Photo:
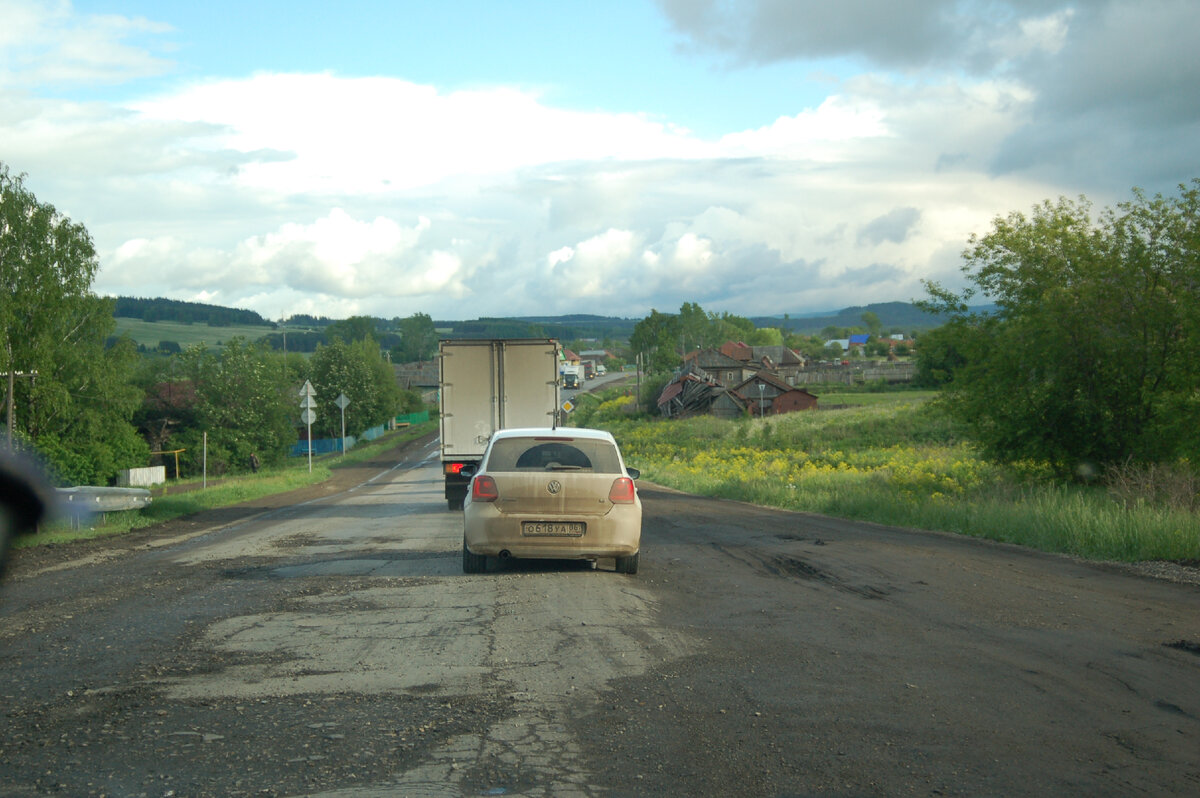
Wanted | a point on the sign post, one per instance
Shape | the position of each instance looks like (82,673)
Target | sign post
(308,414)
(341,402)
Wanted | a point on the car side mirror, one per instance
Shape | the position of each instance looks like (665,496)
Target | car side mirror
(633,472)
(469,470)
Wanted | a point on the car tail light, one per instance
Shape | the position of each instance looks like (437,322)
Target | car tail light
(622,491)
(453,468)
(483,489)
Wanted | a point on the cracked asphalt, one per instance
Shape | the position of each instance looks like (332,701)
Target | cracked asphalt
(326,643)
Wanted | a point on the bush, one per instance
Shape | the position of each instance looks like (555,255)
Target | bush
(1174,486)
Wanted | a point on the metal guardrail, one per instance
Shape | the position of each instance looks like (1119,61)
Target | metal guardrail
(80,501)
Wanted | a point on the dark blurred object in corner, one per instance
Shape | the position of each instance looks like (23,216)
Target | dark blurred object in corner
(26,498)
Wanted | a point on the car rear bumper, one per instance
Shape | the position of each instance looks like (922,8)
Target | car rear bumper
(617,534)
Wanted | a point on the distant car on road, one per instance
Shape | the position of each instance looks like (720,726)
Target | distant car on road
(562,493)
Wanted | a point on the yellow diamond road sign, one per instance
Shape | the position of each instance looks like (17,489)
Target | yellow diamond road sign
(568,406)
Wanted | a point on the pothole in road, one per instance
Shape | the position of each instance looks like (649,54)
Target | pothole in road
(792,566)
(1190,646)
(387,565)
(394,564)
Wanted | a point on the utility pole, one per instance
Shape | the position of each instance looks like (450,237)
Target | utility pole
(12,375)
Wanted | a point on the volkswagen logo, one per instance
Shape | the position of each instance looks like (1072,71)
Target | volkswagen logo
(554,486)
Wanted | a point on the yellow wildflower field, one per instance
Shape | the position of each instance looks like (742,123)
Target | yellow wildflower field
(901,463)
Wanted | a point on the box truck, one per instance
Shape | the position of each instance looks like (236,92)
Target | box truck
(572,375)
(487,385)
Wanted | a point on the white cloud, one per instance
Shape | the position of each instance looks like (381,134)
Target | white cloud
(769,217)
(48,43)
(335,195)
(331,134)
(361,263)
(826,133)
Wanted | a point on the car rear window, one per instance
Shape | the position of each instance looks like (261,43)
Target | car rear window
(553,454)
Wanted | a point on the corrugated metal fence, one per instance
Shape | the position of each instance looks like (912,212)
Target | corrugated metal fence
(331,445)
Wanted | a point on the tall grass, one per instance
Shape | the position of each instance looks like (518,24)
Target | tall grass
(901,463)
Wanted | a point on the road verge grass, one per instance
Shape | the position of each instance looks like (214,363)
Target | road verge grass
(901,463)
(189,496)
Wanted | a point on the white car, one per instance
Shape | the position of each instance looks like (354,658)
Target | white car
(560,493)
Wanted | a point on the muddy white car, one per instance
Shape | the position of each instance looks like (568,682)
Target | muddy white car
(560,493)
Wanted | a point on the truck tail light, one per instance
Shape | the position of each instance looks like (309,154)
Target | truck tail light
(622,491)
(483,489)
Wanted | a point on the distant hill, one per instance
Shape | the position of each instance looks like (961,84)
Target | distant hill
(566,328)
(904,315)
(160,309)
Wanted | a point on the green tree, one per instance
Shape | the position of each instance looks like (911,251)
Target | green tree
(418,338)
(244,401)
(764,336)
(367,380)
(878,349)
(871,319)
(695,328)
(728,327)
(655,338)
(1090,357)
(355,328)
(939,356)
(75,401)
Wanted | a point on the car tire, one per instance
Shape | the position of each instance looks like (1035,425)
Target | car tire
(455,502)
(628,565)
(473,563)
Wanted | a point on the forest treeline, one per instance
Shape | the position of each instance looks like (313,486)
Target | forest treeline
(161,309)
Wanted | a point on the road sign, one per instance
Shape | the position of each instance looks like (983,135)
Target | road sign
(341,402)
(308,414)
(568,406)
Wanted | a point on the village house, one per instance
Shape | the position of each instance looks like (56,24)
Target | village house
(766,393)
(722,368)
(689,394)
(698,392)
(779,359)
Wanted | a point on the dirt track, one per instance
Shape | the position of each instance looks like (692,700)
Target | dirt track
(334,648)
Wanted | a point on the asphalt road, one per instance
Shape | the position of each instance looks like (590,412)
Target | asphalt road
(330,646)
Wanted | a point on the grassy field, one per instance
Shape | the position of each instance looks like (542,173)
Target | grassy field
(149,333)
(897,460)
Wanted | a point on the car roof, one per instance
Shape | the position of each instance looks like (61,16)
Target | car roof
(554,432)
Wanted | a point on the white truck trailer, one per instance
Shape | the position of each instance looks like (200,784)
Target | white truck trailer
(487,385)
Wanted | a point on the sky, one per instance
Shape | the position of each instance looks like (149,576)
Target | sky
(472,159)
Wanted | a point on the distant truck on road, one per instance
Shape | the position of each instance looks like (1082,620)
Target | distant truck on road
(572,375)
(488,385)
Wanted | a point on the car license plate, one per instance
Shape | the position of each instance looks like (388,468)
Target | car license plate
(563,529)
